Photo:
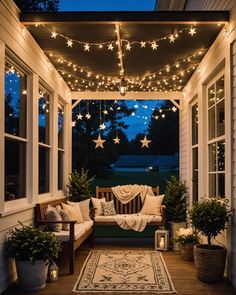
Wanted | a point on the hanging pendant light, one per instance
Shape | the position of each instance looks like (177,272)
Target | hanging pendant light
(123,86)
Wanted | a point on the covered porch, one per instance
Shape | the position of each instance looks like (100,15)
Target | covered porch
(62,69)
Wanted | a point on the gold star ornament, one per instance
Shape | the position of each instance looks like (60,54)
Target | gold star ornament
(145,142)
(116,140)
(99,142)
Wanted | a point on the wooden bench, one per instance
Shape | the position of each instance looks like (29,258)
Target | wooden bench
(71,244)
(132,207)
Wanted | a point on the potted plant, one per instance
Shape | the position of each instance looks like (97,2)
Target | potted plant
(176,206)
(187,239)
(33,250)
(209,217)
(79,185)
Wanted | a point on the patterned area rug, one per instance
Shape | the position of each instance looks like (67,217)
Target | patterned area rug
(124,271)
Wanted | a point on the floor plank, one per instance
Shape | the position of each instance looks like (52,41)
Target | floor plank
(183,273)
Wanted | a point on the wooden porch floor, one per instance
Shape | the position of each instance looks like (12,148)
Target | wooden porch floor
(182,273)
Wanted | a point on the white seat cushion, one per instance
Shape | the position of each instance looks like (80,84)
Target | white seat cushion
(110,218)
(80,229)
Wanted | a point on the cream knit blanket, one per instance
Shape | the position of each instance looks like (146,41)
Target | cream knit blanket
(136,222)
(126,193)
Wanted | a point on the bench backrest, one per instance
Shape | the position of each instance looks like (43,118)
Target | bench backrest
(132,207)
(42,207)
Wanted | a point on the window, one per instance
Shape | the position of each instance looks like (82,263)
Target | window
(216,138)
(44,140)
(61,150)
(194,116)
(15,131)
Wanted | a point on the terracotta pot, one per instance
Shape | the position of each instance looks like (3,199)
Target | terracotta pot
(186,251)
(210,262)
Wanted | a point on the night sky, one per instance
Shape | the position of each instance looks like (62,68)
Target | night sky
(107,5)
(139,122)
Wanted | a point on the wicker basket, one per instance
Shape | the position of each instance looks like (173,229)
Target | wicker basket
(186,251)
(210,263)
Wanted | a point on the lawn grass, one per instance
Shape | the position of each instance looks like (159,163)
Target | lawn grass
(146,178)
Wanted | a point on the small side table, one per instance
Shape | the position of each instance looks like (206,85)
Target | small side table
(161,240)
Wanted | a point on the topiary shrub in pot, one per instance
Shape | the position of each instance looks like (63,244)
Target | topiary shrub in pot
(33,250)
(176,207)
(79,185)
(209,217)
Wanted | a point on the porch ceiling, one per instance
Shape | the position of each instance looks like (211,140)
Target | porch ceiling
(158,51)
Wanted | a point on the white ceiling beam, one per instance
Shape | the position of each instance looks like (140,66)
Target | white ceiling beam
(77,95)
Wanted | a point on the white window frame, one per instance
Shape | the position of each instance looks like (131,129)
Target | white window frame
(62,102)
(219,138)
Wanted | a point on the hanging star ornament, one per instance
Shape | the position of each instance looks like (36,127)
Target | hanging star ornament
(145,142)
(88,116)
(99,142)
(79,117)
(116,140)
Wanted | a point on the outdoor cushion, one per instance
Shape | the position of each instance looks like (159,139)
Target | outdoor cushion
(65,217)
(152,205)
(84,208)
(111,218)
(80,229)
(97,205)
(74,212)
(52,214)
(108,208)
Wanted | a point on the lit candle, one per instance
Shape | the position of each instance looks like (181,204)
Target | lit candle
(162,243)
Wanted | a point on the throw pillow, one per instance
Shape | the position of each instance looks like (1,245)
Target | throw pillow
(52,214)
(152,205)
(97,205)
(108,208)
(65,217)
(74,212)
(84,208)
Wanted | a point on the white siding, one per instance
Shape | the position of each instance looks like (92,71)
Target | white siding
(28,51)
(233,257)
(209,4)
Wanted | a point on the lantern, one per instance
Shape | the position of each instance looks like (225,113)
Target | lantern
(161,240)
(53,272)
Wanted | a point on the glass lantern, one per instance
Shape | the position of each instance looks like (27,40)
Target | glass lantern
(53,272)
(161,240)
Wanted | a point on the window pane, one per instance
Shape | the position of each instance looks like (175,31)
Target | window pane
(60,125)
(212,185)
(60,170)
(211,96)
(44,168)
(195,175)
(211,123)
(220,118)
(44,117)
(220,89)
(15,101)
(221,155)
(195,124)
(221,185)
(15,170)
(212,157)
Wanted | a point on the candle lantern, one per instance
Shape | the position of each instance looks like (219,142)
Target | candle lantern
(161,240)
(53,272)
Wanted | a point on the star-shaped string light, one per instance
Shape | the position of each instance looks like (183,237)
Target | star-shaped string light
(145,142)
(172,38)
(54,35)
(105,112)
(110,47)
(143,44)
(99,142)
(102,126)
(192,31)
(116,140)
(73,123)
(69,43)
(79,116)
(88,116)
(87,47)
(128,46)
(154,45)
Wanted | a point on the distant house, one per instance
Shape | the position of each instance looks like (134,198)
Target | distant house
(137,163)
